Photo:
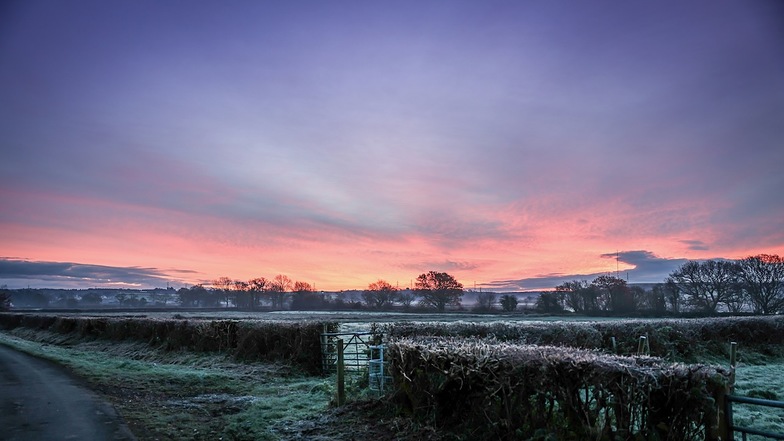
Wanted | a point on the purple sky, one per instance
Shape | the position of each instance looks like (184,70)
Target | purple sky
(512,144)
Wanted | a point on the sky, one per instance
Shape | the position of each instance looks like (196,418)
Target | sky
(515,145)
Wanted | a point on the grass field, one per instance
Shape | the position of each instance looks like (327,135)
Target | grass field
(760,381)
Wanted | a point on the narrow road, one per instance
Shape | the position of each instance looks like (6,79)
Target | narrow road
(40,400)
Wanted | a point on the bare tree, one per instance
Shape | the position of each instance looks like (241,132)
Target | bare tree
(302,287)
(305,297)
(438,290)
(406,298)
(762,279)
(223,286)
(242,297)
(380,294)
(578,295)
(706,285)
(278,290)
(256,288)
(614,294)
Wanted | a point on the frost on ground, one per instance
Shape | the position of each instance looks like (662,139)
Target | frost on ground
(760,381)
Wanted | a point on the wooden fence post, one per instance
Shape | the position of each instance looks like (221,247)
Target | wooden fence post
(341,373)
(642,346)
(733,362)
(324,341)
(725,406)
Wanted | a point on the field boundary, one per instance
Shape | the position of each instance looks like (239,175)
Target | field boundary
(296,343)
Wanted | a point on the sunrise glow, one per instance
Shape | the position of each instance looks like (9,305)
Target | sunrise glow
(512,145)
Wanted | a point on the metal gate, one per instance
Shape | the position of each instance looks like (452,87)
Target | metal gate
(745,431)
(356,350)
(378,372)
(363,356)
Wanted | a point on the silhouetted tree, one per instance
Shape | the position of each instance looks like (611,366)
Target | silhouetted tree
(550,302)
(187,298)
(673,296)
(278,291)
(241,291)
(304,297)
(639,298)
(256,289)
(207,298)
(762,280)
(438,290)
(706,285)
(614,294)
(508,302)
(407,298)
(578,295)
(380,294)
(656,300)
(223,286)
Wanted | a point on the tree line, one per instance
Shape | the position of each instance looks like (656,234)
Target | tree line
(436,290)
(754,284)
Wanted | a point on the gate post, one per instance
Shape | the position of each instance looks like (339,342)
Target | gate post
(733,362)
(341,374)
(725,415)
(725,405)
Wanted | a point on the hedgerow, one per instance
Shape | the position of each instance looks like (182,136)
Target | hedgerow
(679,339)
(292,342)
(492,390)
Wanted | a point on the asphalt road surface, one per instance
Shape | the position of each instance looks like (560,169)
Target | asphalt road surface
(40,400)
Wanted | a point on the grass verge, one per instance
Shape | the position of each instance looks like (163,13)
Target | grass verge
(183,395)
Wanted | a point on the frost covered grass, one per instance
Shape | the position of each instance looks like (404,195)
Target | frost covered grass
(760,381)
(184,395)
(170,392)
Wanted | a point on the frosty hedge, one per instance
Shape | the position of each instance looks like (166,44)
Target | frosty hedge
(678,339)
(493,390)
(292,342)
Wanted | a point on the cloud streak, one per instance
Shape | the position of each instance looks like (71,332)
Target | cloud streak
(79,275)
(635,266)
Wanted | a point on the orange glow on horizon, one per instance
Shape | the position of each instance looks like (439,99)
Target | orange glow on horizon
(523,244)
